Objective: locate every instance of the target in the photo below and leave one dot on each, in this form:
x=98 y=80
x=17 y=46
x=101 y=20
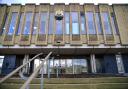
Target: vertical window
x=75 y=24
x=5 y=22
x=83 y=28
x=43 y=19
x=106 y=22
x=12 y=23
x=35 y=26
x=59 y=27
x=20 y=24
x=91 y=23
x=67 y=21
x=27 y=25
x=51 y=23
x=98 y=21
x=114 y=23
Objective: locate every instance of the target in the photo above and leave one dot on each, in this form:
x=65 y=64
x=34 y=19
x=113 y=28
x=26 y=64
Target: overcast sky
x=63 y=1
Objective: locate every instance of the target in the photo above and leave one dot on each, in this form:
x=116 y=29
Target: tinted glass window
x=27 y=23
x=98 y=21
x=12 y=23
x=20 y=24
x=43 y=20
x=75 y=24
x=91 y=23
x=114 y=23
x=59 y=27
x=51 y=23
x=5 y=22
x=106 y=22
x=35 y=26
x=83 y=28
x=67 y=22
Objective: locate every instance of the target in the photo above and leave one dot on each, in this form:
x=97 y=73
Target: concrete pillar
x=120 y=65
x=26 y=68
x=93 y=63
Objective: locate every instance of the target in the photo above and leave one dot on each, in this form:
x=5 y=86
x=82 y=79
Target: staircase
x=70 y=83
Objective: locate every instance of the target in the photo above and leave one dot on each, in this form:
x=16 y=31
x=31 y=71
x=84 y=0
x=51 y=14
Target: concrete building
x=84 y=39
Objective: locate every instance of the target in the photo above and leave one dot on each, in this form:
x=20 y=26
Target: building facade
x=87 y=39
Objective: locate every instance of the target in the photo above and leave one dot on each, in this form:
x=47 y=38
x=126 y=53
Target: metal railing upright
x=26 y=84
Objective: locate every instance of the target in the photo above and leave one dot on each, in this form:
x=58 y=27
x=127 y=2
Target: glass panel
x=59 y=27
x=27 y=25
x=67 y=21
x=75 y=24
x=98 y=21
x=51 y=23
x=12 y=23
x=84 y=67
x=91 y=23
x=20 y=24
x=43 y=20
x=83 y=28
x=62 y=66
x=5 y=22
x=37 y=62
x=114 y=23
x=35 y=26
x=56 y=63
x=79 y=66
x=106 y=23
x=69 y=69
x=119 y=64
x=62 y=63
x=51 y=66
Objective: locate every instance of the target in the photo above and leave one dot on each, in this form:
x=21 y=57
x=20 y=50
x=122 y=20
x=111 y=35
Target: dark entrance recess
x=125 y=62
x=8 y=64
x=110 y=64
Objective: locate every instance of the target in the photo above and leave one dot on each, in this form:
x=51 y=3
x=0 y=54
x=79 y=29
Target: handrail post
x=35 y=72
x=42 y=79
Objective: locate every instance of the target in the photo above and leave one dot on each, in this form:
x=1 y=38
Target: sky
x=63 y=1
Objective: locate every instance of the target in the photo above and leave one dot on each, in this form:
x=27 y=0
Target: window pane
x=59 y=27
x=114 y=23
x=106 y=22
x=75 y=24
x=62 y=63
x=12 y=23
x=56 y=63
x=27 y=23
x=35 y=27
x=51 y=23
x=43 y=22
x=98 y=21
x=90 y=23
x=20 y=24
x=82 y=16
x=5 y=22
x=67 y=22
x=69 y=69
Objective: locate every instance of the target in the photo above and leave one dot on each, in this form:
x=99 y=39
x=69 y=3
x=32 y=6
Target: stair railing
x=19 y=68
x=26 y=84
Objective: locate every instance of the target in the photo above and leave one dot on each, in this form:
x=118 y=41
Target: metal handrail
x=17 y=69
x=35 y=72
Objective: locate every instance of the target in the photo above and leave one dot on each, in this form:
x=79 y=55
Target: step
x=72 y=80
x=70 y=83
x=69 y=86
